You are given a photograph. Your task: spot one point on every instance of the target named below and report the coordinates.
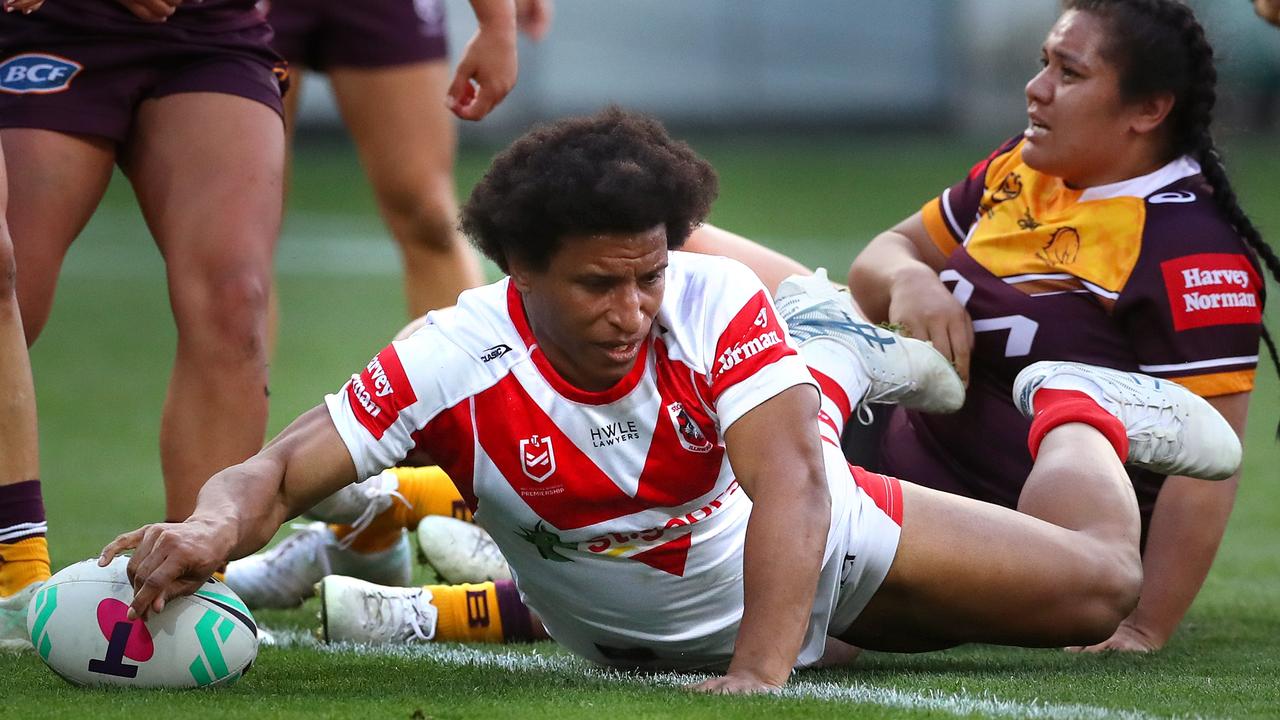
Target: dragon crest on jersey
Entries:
(691, 436)
(537, 457)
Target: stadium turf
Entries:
(102, 366)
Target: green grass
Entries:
(102, 367)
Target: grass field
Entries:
(102, 366)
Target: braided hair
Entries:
(1159, 46)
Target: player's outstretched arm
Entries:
(489, 65)
(237, 512)
(776, 455)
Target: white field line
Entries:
(961, 704)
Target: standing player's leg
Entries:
(208, 172)
(24, 553)
(59, 179)
(406, 140)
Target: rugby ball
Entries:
(78, 625)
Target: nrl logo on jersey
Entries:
(537, 457)
(690, 435)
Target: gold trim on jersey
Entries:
(1031, 224)
(1223, 383)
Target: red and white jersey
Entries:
(617, 510)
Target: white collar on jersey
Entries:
(1144, 185)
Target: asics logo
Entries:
(873, 336)
(1172, 197)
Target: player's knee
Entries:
(426, 218)
(8, 269)
(228, 310)
(1110, 597)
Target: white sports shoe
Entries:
(286, 575)
(460, 552)
(1171, 430)
(359, 503)
(13, 619)
(356, 611)
(902, 370)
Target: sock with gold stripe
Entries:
(490, 612)
(429, 491)
(24, 551)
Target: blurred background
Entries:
(828, 121)
(728, 65)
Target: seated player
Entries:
(729, 534)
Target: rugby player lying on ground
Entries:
(756, 539)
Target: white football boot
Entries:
(1172, 431)
(13, 619)
(286, 575)
(353, 610)
(902, 370)
(460, 552)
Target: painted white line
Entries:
(962, 703)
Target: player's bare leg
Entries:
(24, 552)
(208, 171)
(292, 100)
(968, 571)
(406, 140)
(60, 180)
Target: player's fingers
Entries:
(153, 587)
(936, 333)
(460, 89)
(127, 541)
(960, 336)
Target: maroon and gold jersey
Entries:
(1142, 275)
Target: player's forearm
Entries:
(782, 558)
(770, 266)
(1186, 529)
(889, 259)
(303, 464)
(495, 15)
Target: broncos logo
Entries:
(1008, 189)
(1062, 249)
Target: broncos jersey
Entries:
(617, 510)
(1142, 275)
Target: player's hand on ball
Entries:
(169, 559)
(1126, 638)
(735, 683)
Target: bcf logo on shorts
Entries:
(37, 73)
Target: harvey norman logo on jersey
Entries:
(380, 392)
(1212, 289)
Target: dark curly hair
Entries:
(614, 171)
(1159, 46)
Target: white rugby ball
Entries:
(78, 626)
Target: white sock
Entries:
(831, 358)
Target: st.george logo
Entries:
(690, 435)
(36, 73)
(537, 457)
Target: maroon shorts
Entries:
(323, 34)
(57, 78)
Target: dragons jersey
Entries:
(617, 510)
(1142, 275)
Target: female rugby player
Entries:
(1105, 233)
